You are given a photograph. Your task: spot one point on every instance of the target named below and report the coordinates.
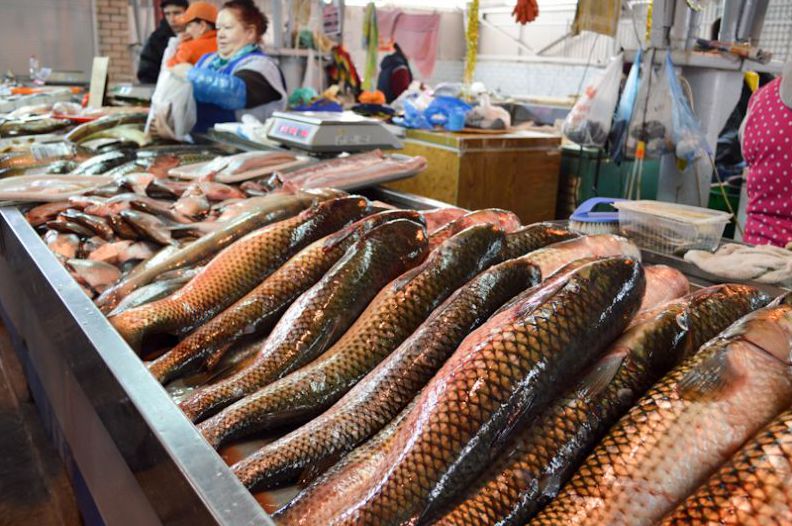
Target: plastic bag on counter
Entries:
(448, 112)
(589, 121)
(624, 111)
(173, 107)
(488, 117)
(690, 143)
(652, 121)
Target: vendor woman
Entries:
(239, 78)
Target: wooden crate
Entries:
(515, 171)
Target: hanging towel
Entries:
(416, 34)
(599, 16)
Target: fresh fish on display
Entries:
(33, 126)
(502, 374)
(38, 215)
(131, 134)
(752, 489)
(240, 167)
(267, 210)
(83, 131)
(119, 252)
(95, 224)
(95, 274)
(100, 164)
(545, 453)
(686, 426)
(262, 186)
(670, 284)
(503, 219)
(158, 208)
(136, 182)
(535, 236)
(69, 227)
(385, 391)
(390, 318)
(165, 188)
(437, 218)
(121, 228)
(64, 245)
(192, 203)
(237, 270)
(48, 188)
(553, 257)
(259, 309)
(148, 226)
(215, 191)
(151, 292)
(339, 291)
(64, 166)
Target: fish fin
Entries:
(709, 379)
(601, 375)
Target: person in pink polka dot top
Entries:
(767, 148)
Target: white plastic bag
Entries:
(173, 107)
(488, 117)
(589, 121)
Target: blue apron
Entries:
(210, 114)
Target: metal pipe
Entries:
(729, 20)
(758, 21)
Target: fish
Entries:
(157, 207)
(385, 391)
(192, 204)
(99, 164)
(270, 210)
(95, 224)
(507, 221)
(751, 489)
(132, 134)
(148, 226)
(151, 292)
(94, 274)
(38, 215)
(260, 308)
(553, 257)
(136, 182)
(684, 427)
(437, 218)
(62, 244)
(215, 191)
(110, 252)
(502, 373)
(83, 131)
(397, 310)
(535, 236)
(121, 228)
(69, 227)
(543, 455)
(48, 188)
(63, 166)
(663, 283)
(35, 126)
(236, 270)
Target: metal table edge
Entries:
(223, 495)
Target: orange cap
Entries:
(198, 10)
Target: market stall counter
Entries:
(516, 171)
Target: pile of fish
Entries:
(420, 367)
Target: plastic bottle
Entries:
(33, 67)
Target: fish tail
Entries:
(131, 326)
(152, 318)
(262, 470)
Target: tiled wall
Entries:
(112, 18)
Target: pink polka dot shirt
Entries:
(767, 148)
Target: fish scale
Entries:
(501, 372)
(237, 269)
(752, 489)
(542, 456)
(689, 423)
(390, 318)
(533, 237)
(267, 301)
(379, 397)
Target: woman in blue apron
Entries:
(239, 79)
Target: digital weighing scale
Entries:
(330, 132)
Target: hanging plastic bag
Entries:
(690, 143)
(651, 122)
(173, 107)
(589, 121)
(624, 110)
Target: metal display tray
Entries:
(133, 456)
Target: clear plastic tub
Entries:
(671, 228)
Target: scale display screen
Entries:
(295, 131)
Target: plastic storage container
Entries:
(671, 228)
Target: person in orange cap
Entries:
(199, 37)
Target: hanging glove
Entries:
(525, 11)
(227, 91)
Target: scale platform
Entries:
(330, 132)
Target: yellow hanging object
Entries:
(752, 79)
(471, 39)
(649, 22)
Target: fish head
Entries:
(408, 239)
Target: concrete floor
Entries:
(34, 486)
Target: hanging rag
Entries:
(371, 45)
(599, 16)
(762, 263)
(415, 33)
